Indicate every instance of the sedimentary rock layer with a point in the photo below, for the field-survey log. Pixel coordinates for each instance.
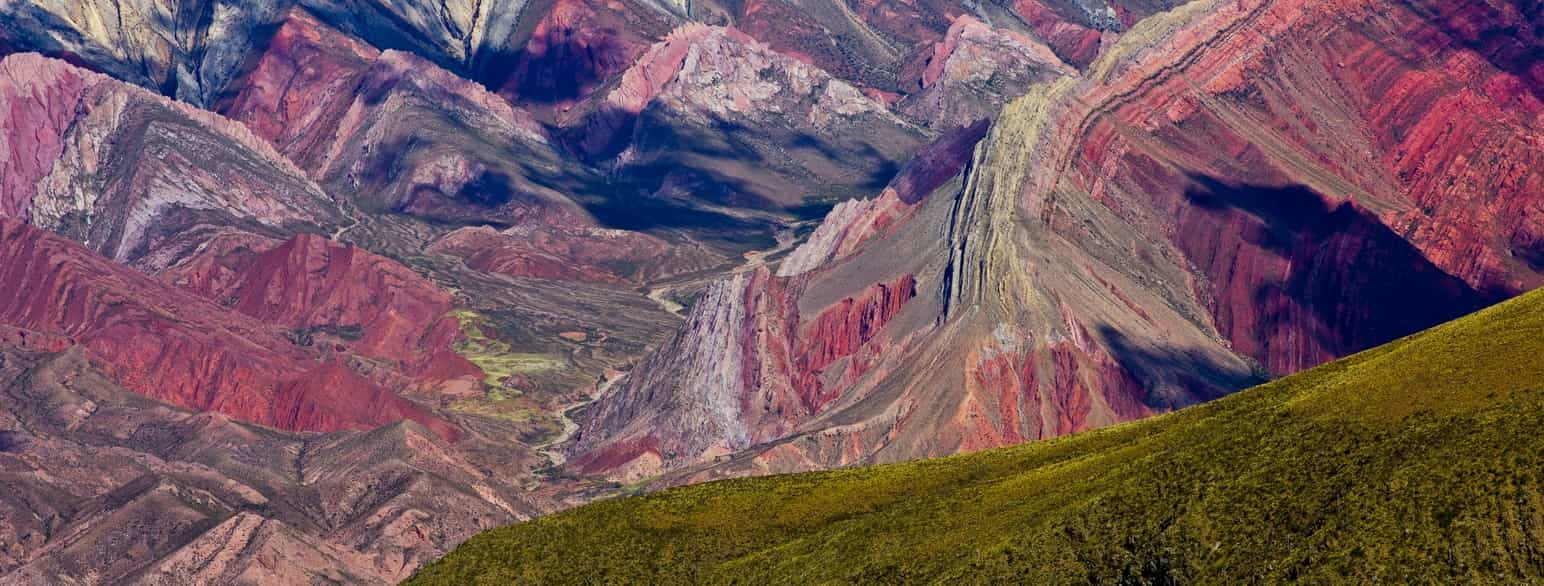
(173, 346)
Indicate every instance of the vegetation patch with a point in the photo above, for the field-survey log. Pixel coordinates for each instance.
(498, 361)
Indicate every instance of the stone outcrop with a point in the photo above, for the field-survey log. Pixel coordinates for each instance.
(187, 50)
(748, 367)
(1172, 201)
(762, 355)
(299, 89)
(690, 116)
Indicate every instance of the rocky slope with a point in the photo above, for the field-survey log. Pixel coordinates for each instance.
(127, 172)
(187, 351)
(975, 69)
(188, 50)
(761, 354)
(1204, 207)
(712, 115)
(325, 292)
(112, 487)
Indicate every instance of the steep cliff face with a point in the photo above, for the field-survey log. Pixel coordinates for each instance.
(1321, 220)
(1232, 189)
(172, 346)
(125, 171)
(853, 222)
(754, 368)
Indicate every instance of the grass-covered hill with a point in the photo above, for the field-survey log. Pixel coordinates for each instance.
(1419, 461)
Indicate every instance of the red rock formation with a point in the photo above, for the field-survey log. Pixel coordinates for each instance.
(1292, 276)
(378, 308)
(659, 65)
(1076, 43)
(1231, 188)
(853, 222)
(80, 165)
(841, 330)
(747, 368)
(173, 346)
(937, 163)
(39, 101)
(974, 70)
(300, 88)
(574, 49)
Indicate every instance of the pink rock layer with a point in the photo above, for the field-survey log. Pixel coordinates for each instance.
(173, 346)
(311, 283)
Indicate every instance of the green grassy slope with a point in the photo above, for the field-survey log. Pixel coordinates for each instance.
(1419, 461)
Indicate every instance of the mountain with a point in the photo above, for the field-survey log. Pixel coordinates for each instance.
(1220, 198)
(459, 264)
(1408, 462)
(201, 356)
(103, 483)
(130, 172)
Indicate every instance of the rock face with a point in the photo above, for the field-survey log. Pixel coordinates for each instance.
(974, 70)
(188, 50)
(853, 222)
(414, 235)
(413, 139)
(300, 88)
(317, 288)
(747, 336)
(762, 354)
(204, 358)
(1232, 190)
(397, 134)
(125, 171)
(697, 107)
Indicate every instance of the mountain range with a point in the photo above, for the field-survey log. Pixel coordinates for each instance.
(312, 291)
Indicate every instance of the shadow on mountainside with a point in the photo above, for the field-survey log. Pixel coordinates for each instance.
(1191, 377)
(1349, 282)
